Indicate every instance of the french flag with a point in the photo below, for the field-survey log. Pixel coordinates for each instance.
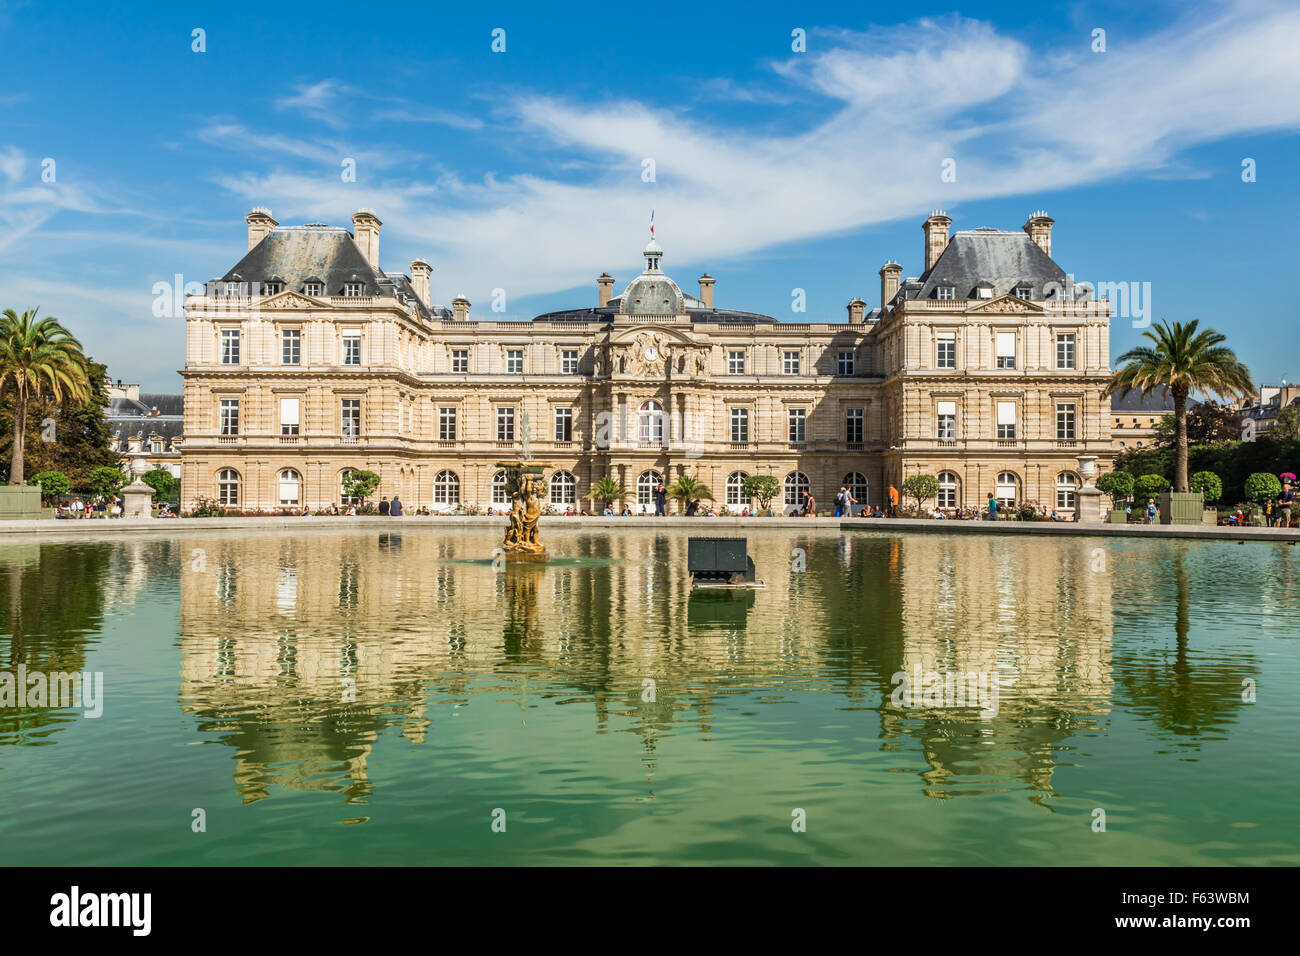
(652, 223)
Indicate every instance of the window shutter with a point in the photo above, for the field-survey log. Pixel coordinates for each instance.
(948, 408)
(1006, 343)
(1006, 413)
(288, 411)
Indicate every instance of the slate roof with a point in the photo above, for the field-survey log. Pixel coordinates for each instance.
(1158, 402)
(295, 254)
(1006, 260)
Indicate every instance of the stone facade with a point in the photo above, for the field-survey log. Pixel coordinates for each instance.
(307, 359)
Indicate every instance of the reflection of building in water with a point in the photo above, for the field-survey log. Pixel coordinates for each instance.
(1034, 613)
(301, 650)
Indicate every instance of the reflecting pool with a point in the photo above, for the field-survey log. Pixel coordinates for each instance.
(324, 697)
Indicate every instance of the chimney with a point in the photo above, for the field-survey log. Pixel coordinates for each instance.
(460, 308)
(605, 283)
(1039, 228)
(706, 290)
(857, 311)
(420, 280)
(936, 237)
(890, 273)
(259, 224)
(365, 230)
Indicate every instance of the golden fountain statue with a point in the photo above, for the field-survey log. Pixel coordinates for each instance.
(526, 487)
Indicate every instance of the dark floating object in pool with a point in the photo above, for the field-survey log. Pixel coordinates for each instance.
(720, 563)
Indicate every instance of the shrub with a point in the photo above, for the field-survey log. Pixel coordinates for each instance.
(762, 488)
(360, 484)
(106, 481)
(1208, 484)
(1262, 486)
(162, 482)
(921, 488)
(53, 483)
(1117, 484)
(1148, 487)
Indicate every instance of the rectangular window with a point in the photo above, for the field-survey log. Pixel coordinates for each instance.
(946, 292)
(947, 430)
(1022, 292)
(505, 423)
(1065, 421)
(352, 348)
(740, 424)
(569, 362)
(351, 418)
(352, 289)
(230, 346)
(288, 416)
(290, 347)
(515, 361)
(1006, 419)
(564, 424)
(1006, 349)
(460, 360)
(447, 423)
(790, 363)
(736, 362)
(230, 416)
(313, 289)
(853, 430)
(844, 363)
(798, 424)
(1065, 350)
(945, 350)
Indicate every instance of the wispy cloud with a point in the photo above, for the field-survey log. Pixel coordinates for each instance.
(316, 100)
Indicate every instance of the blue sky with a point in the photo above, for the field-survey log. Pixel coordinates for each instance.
(775, 170)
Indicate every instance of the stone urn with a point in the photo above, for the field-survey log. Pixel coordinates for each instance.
(137, 497)
(1089, 501)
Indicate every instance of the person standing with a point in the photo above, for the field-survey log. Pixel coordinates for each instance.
(809, 505)
(993, 507)
(893, 502)
(384, 505)
(841, 501)
(1151, 511)
(661, 500)
(395, 508)
(1285, 502)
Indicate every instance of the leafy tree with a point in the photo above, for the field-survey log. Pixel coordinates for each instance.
(53, 483)
(1117, 484)
(1183, 361)
(37, 355)
(607, 490)
(1208, 484)
(106, 481)
(921, 488)
(761, 488)
(687, 489)
(79, 431)
(163, 483)
(1262, 486)
(1148, 487)
(360, 484)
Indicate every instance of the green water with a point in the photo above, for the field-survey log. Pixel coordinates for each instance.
(335, 698)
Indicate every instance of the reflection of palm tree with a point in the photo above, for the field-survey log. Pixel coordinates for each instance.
(1181, 697)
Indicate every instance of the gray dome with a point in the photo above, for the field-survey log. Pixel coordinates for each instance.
(652, 293)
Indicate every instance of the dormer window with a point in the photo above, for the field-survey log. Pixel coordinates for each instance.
(352, 289)
(232, 289)
(1022, 292)
(945, 292)
(984, 290)
(274, 288)
(313, 289)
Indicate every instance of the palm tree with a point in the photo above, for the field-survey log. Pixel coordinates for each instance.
(607, 490)
(35, 355)
(1183, 361)
(687, 489)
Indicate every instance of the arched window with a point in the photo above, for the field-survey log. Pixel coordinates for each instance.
(1007, 490)
(446, 489)
(856, 482)
(499, 495)
(796, 483)
(651, 414)
(290, 487)
(228, 487)
(564, 489)
(736, 489)
(645, 489)
(1067, 486)
(344, 497)
(947, 490)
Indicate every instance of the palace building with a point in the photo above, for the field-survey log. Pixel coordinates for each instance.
(307, 359)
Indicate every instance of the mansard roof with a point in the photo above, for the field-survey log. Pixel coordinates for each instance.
(1005, 260)
(1160, 400)
(328, 254)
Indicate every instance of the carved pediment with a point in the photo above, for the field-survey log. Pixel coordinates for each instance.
(290, 300)
(1007, 304)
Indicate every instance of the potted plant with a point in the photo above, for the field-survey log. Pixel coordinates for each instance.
(761, 488)
(1119, 485)
(1261, 487)
(1211, 490)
